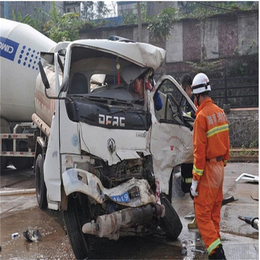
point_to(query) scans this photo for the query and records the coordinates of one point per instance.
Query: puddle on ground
(54, 243)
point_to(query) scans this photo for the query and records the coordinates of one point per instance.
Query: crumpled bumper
(132, 193)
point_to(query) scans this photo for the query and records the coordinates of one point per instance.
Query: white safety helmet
(200, 84)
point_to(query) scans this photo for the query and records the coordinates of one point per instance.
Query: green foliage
(160, 25)
(207, 67)
(18, 17)
(87, 12)
(62, 27)
(101, 10)
(205, 9)
(249, 50)
(130, 17)
(252, 57)
(94, 10)
(56, 26)
(36, 23)
(66, 28)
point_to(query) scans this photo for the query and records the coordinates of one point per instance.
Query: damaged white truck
(103, 155)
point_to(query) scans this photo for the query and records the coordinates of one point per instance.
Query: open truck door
(172, 130)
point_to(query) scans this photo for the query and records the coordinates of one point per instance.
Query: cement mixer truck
(20, 47)
(104, 153)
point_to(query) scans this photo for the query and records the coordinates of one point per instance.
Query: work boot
(192, 224)
(218, 254)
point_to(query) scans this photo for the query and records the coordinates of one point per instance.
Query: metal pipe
(250, 220)
(17, 192)
(110, 224)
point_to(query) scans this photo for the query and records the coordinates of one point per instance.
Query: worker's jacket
(210, 136)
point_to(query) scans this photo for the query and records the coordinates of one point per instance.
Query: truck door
(172, 129)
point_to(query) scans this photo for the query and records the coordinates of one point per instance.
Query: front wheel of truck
(170, 223)
(41, 190)
(75, 217)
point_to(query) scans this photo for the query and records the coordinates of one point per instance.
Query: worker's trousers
(208, 203)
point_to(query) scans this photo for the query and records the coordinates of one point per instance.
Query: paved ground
(20, 212)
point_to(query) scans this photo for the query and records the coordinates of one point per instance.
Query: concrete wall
(214, 38)
(243, 127)
(191, 40)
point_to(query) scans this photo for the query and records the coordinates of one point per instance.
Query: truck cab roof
(141, 54)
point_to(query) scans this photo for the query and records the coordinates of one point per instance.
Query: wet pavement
(19, 213)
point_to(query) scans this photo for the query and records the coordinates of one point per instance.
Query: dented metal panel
(142, 54)
(77, 180)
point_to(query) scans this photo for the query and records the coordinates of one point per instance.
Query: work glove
(193, 188)
(225, 163)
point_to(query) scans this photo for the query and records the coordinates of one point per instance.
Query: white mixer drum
(20, 47)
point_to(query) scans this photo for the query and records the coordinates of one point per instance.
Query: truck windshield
(104, 77)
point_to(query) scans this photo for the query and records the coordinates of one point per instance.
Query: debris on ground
(184, 250)
(228, 200)
(14, 235)
(32, 236)
(190, 216)
(255, 198)
(248, 177)
(198, 251)
(250, 220)
(193, 224)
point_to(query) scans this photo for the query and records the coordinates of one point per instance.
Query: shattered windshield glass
(103, 77)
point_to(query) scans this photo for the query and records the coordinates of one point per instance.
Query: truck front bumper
(132, 193)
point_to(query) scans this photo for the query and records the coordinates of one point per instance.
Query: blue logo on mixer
(8, 48)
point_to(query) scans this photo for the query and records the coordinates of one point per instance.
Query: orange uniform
(211, 152)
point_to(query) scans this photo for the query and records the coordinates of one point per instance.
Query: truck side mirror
(43, 76)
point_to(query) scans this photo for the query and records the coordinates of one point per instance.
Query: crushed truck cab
(105, 155)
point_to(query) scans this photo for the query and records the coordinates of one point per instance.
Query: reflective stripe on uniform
(214, 245)
(197, 171)
(186, 180)
(217, 129)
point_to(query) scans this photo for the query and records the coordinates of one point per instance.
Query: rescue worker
(211, 152)
(186, 82)
(138, 87)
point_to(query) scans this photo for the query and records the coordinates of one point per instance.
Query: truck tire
(41, 190)
(75, 217)
(170, 223)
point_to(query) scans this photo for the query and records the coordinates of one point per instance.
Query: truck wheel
(41, 190)
(170, 223)
(75, 217)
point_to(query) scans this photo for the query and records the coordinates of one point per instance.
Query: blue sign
(8, 48)
(121, 198)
